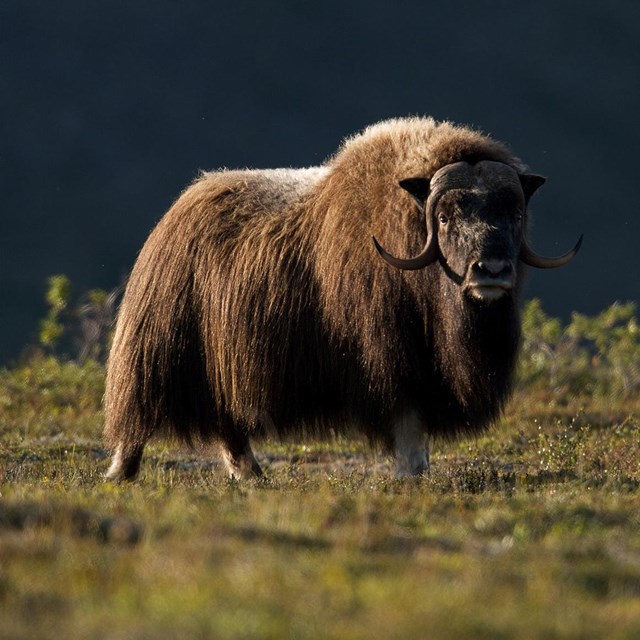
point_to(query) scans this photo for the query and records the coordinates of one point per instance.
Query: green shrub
(597, 355)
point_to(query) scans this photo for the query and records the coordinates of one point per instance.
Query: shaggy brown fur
(258, 304)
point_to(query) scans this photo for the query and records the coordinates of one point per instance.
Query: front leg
(410, 446)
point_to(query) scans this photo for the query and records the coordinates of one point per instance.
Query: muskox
(259, 305)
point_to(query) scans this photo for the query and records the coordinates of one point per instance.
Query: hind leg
(238, 457)
(125, 463)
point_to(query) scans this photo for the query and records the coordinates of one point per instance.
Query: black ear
(417, 187)
(530, 184)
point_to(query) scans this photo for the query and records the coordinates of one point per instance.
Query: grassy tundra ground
(530, 532)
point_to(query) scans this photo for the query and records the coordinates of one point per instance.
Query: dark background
(108, 109)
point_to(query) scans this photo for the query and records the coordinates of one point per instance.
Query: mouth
(489, 290)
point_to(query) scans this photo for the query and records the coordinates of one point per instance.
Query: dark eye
(443, 218)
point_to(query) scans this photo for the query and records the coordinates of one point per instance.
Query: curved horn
(427, 256)
(530, 257)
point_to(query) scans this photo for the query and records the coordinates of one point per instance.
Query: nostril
(494, 268)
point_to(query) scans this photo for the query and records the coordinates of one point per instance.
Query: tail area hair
(157, 373)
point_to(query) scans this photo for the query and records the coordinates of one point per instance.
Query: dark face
(479, 232)
(475, 230)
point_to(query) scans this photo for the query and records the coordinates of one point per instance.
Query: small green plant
(52, 327)
(82, 329)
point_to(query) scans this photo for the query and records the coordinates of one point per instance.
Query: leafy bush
(595, 355)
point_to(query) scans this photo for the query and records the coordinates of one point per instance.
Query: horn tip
(376, 244)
